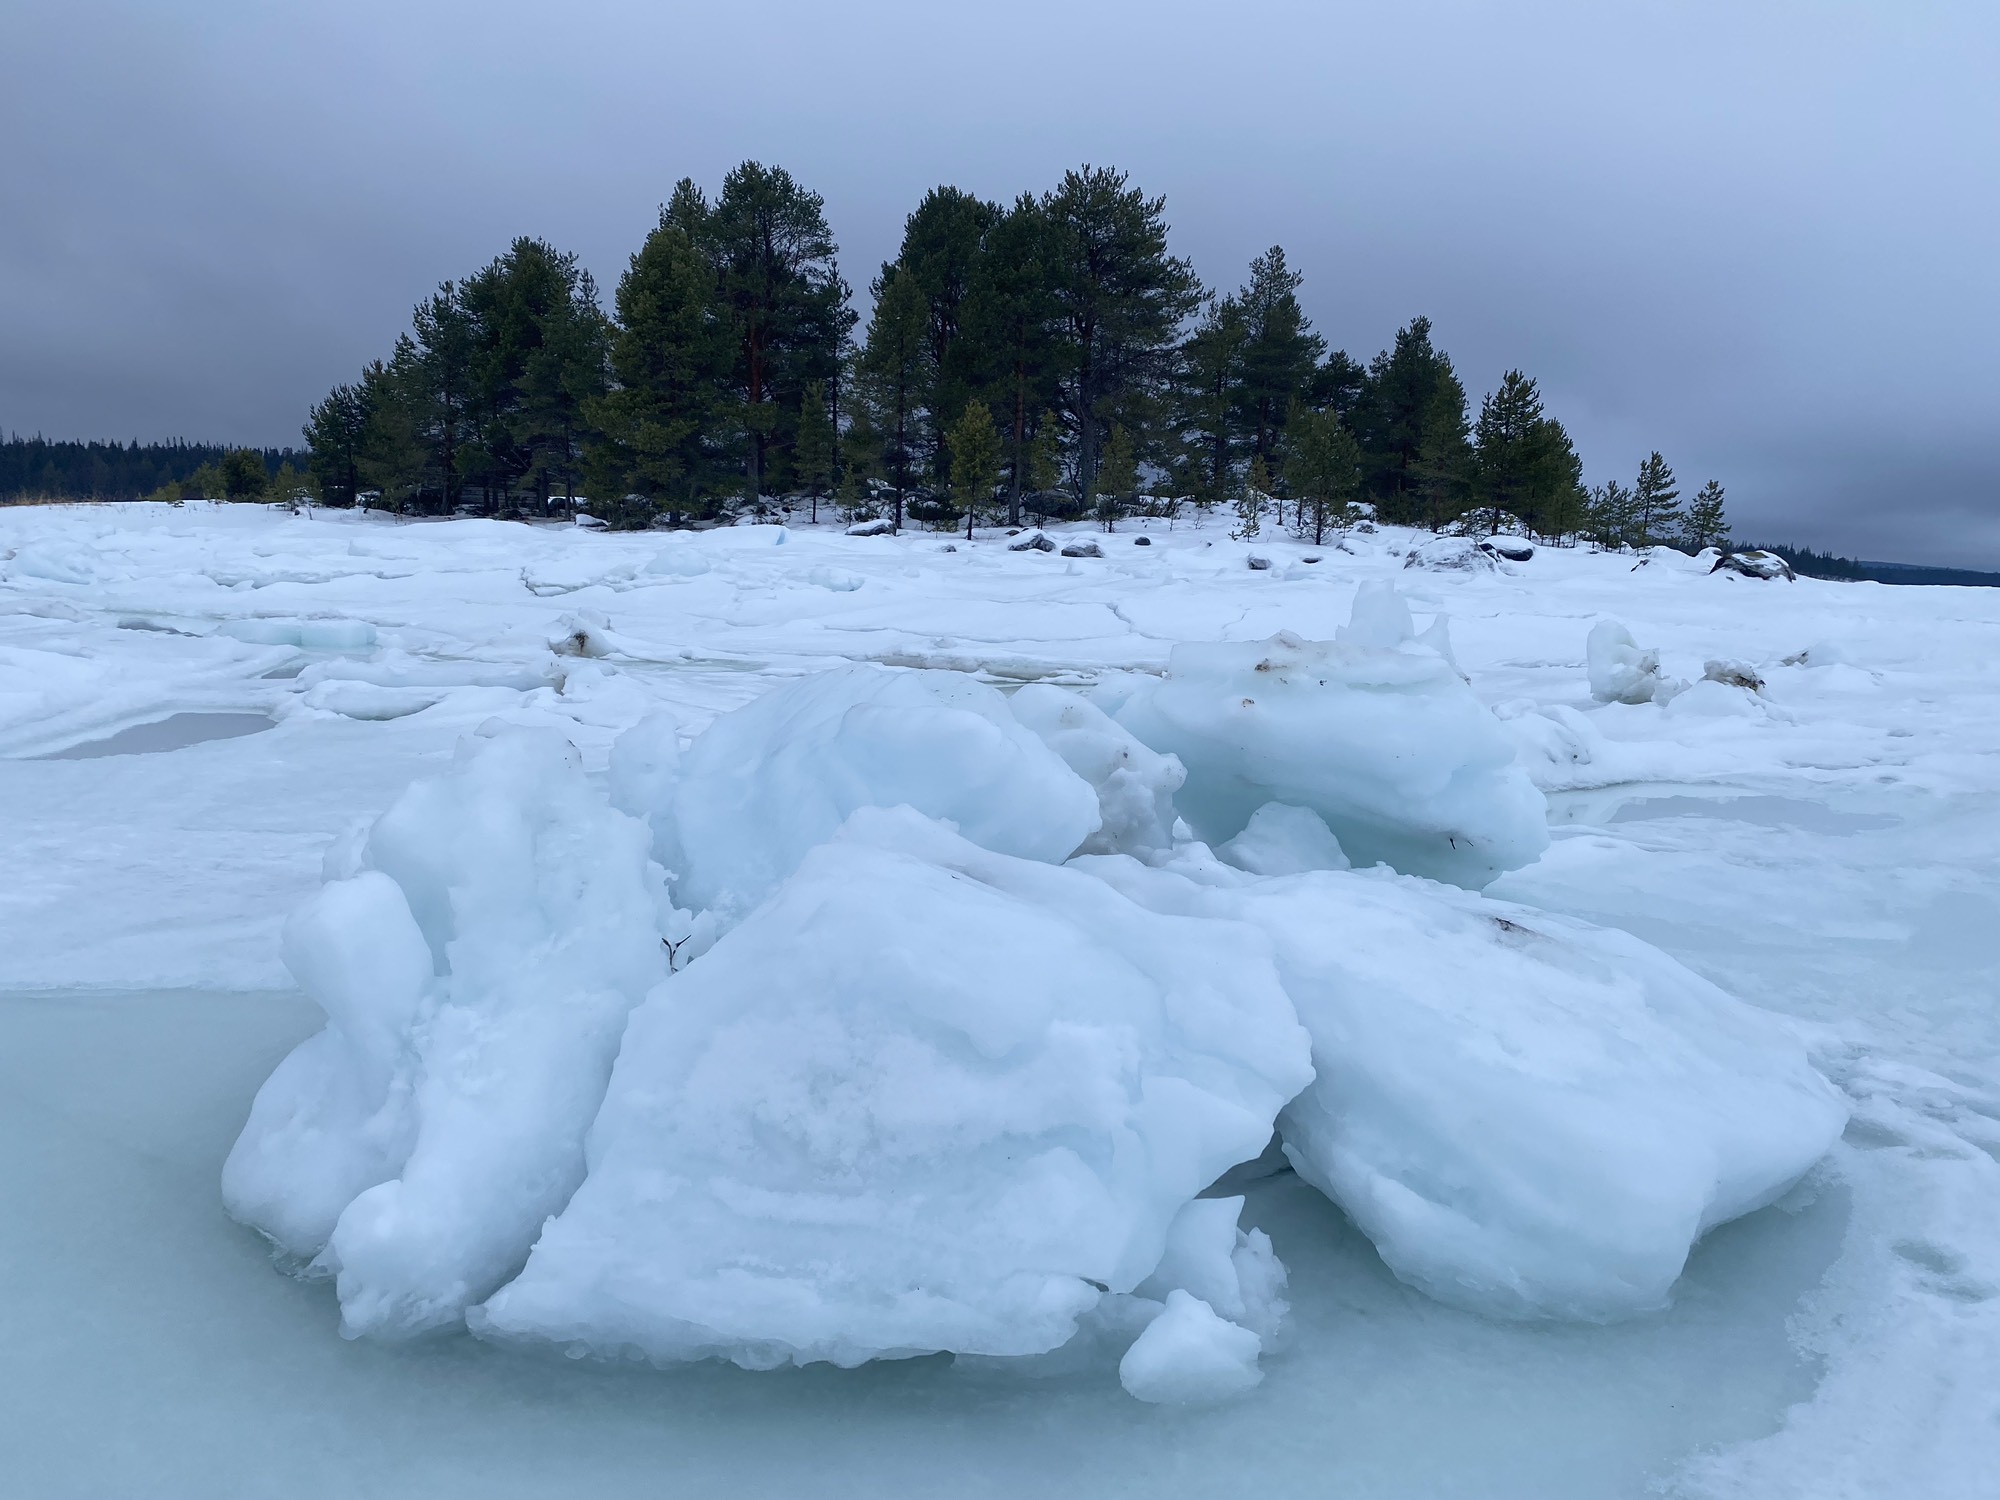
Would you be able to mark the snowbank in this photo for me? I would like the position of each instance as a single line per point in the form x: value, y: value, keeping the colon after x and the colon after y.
x: 476, y: 964
x: 926, y: 1097
x: 1527, y: 1115
x: 1375, y: 733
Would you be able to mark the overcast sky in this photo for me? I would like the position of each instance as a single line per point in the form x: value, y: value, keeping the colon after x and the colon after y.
x: 1763, y: 238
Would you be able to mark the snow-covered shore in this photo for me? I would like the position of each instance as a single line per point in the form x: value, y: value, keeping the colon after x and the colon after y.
x: 1823, y: 847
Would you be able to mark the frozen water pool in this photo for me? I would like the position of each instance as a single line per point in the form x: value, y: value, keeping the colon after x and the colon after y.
x: 147, y: 1347
x: 1645, y: 804
x: 175, y: 732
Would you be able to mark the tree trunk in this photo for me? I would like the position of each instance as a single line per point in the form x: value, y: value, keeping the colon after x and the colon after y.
x: 1020, y: 442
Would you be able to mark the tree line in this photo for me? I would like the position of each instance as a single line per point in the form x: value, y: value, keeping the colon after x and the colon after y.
x: 34, y: 468
x: 1049, y: 357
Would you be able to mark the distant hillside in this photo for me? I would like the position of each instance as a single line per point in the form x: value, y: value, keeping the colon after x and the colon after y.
x: 37, y: 469
x: 1825, y: 565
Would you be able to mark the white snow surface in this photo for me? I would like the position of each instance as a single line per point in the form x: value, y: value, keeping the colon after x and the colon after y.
x: 1822, y: 847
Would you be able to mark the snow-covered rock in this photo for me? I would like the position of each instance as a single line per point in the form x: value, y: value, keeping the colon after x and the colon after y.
x: 1032, y: 541
x: 1754, y: 565
x: 1527, y: 1115
x: 1385, y: 743
x: 1450, y: 554
x: 880, y: 526
x: 1082, y: 549
x: 584, y: 633
x: 1135, y: 786
x: 1512, y: 548
x: 926, y: 1097
x: 476, y: 957
x: 1729, y: 673
x: 765, y: 783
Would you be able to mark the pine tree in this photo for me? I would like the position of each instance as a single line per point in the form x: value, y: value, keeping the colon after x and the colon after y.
x: 943, y: 244
x: 1280, y: 352
x: 670, y: 360
x: 1655, y: 503
x: 1323, y: 469
x: 1705, y: 524
x: 1395, y: 395
x: 1045, y: 459
x: 443, y: 332
x: 893, y: 373
x: 391, y: 453
x: 1006, y: 346
x: 813, y: 449
x: 1440, y: 476
x: 1208, y: 380
x: 1504, y: 447
x: 243, y: 475
x: 538, y: 352
x: 783, y: 298
x: 1251, y: 502
x: 1117, y: 478
x: 1121, y: 299
x: 1610, y: 515
x: 333, y: 434
x: 860, y: 463
x: 975, y: 461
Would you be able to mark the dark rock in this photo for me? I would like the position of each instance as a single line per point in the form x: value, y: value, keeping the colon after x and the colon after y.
x: 1754, y: 565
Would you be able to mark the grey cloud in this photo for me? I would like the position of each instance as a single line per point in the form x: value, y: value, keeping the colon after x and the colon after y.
x: 1759, y: 238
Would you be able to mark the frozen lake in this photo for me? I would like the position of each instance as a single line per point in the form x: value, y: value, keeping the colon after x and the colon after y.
x: 1826, y: 849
